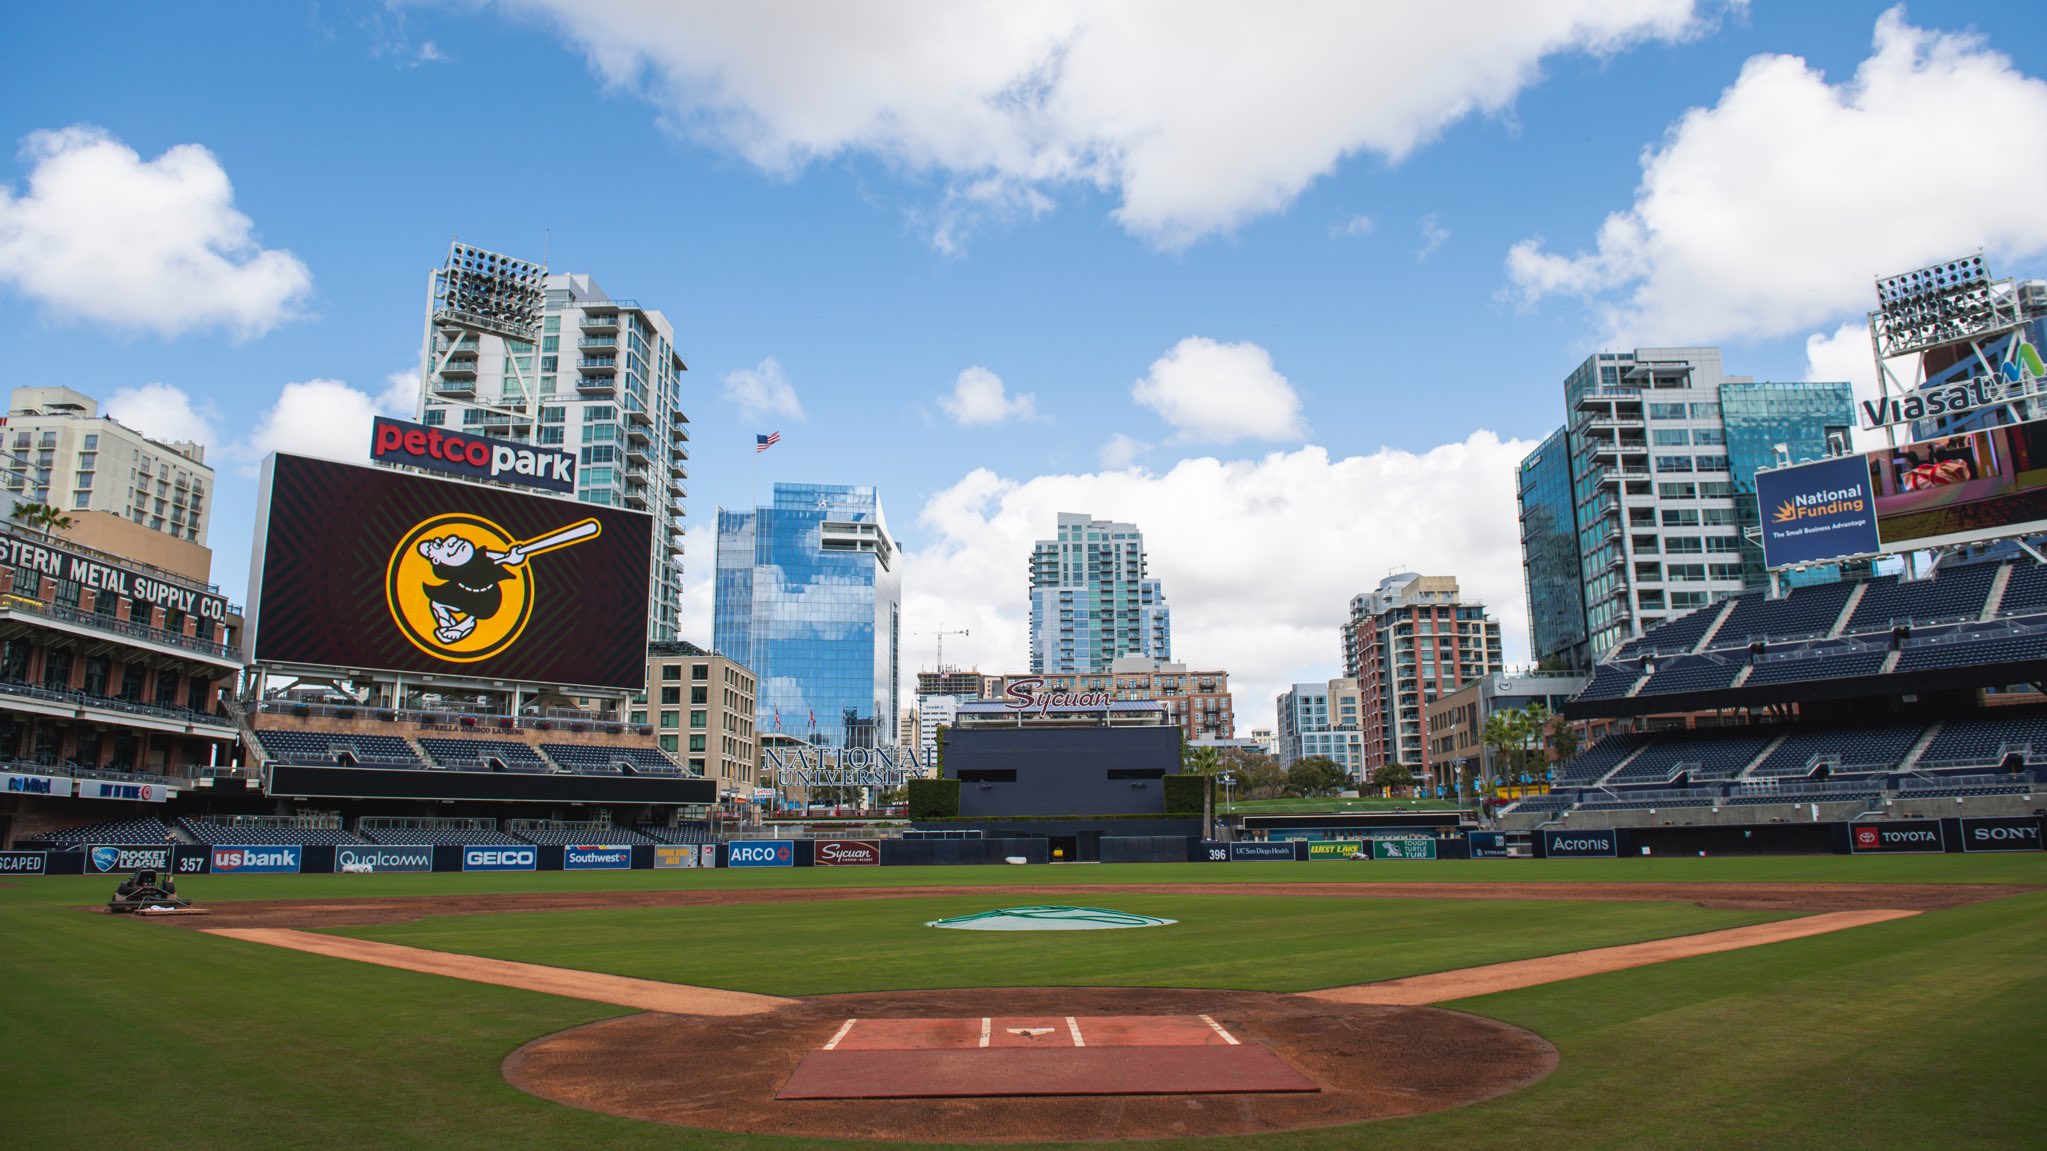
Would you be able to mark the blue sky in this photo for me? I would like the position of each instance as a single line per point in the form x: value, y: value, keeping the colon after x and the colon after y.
x: 1291, y: 286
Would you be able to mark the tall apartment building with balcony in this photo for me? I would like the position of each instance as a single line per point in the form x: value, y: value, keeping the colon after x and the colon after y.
x: 604, y: 382
x: 1321, y: 719
x: 1409, y: 642
x: 1650, y: 489
x: 1090, y: 601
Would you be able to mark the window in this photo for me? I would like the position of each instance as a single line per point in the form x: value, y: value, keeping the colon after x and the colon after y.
x: 1680, y: 518
x: 1673, y: 463
x: 1723, y: 544
x: 1684, y: 599
x: 1724, y: 571
x: 1712, y: 463
x: 700, y: 671
x: 639, y: 717
x: 1708, y: 436
x: 1684, y: 545
x: 81, y: 500
x: 1670, y: 437
x: 696, y: 742
x: 671, y: 671
x: 700, y: 695
x: 699, y: 719
x: 1667, y: 411
x: 1677, y: 491
x: 671, y: 695
x: 1687, y: 573
x: 671, y: 719
x: 1705, y: 411
x: 1717, y: 517
x: 1716, y: 489
x: 92, y: 442
x: 668, y: 743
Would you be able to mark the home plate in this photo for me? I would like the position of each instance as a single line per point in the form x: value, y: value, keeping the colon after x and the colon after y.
x: 1038, y: 1055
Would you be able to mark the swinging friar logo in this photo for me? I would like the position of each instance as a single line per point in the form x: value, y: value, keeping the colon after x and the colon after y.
x: 461, y: 588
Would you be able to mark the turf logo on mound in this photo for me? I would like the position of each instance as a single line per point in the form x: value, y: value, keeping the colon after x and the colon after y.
x: 1051, y: 917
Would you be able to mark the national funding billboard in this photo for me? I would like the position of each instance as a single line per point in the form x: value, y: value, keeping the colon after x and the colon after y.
x: 369, y: 568
x: 1966, y: 488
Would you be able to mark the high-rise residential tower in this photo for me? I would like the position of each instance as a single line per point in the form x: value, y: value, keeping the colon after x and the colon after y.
x: 1409, y: 642
x: 1635, y: 511
x: 809, y: 594
x: 63, y: 452
x: 576, y: 370
x: 1090, y: 600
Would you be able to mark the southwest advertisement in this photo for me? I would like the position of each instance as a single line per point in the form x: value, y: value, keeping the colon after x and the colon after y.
x: 372, y: 568
x: 1957, y: 489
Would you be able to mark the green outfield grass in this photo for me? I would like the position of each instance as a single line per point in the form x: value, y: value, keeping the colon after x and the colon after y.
x: 1923, y: 1032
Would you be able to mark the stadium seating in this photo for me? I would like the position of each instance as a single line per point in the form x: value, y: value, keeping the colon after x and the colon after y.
x: 1821, y: 665
x: 1611, y: 681
x: 591, y: 759
x: 2026, y: 592
x: 1589, y: 765
x: 452, y: 836
x: 1629, y: 803
x: 1864, y: 797
x: 1696, y: 674
x: 1877, y: 747
x: 1965, y: 787
x: 570, y: 837
x: 325, y: 747
x: 682, y: 833
x: 477, y: 754
x: 210, y: 832
x: 1957, y: 593
x: 1968, y: 651
x: 128, y: 832
x: 1678, y: 635
x: 1806, y: 612
x: 1980, y: 739
x: 1711, y: 753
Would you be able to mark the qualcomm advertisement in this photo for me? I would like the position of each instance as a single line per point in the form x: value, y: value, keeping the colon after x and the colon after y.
x: 585, y: 857
x: 371, y: 860
x: 1816, y: 512
x: 276, y: 859
x: 494, y: 858
x: 761, y: 853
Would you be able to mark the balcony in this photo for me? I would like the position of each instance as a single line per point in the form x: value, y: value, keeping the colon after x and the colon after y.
x: 594, y: 386
x: 599, y: 322
x: 27, y: 609
x: 598, y: 345
x: 598, y: 365
x: 1608, y: 476
x: 459, y: 369
x: 80, y: 705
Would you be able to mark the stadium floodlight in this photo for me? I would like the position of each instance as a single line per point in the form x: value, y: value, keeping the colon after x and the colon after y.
x: 490, y: 292
x: 1943, y: 303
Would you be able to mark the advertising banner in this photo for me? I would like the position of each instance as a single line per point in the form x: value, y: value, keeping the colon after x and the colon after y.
x: 2012, y: 833
x: 24, y: 863
x: 668, y: 855
x: 138, y: 792
x: 1904, y: 835
x: 458, y: 453
x: 133, y: 583
x: 383, y: 858
x: 275, y: 859
x: 1210, y: 851
x: 1597, y: 843
x: 760, y: 853
x: 50, y: 785
x: 190, y: 858
x: 1417, y: 848
x: 496, y: 858
x: 372, y: 568
x: 107, y: 858
x: 1957, y: 489
x: 847, y: 853
x: 1335, y: 848
x: 1487, y: 844
x: 587, y: 857
x: 1817, y: 511
x: 1262, y: 852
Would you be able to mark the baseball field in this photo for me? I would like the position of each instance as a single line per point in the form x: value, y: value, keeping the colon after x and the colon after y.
x: 1922, y: 1027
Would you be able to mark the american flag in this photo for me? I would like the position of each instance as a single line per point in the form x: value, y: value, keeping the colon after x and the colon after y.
x: 763, y: 443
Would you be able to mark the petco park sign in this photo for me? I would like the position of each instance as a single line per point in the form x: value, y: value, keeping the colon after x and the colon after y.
x: 884, y: 768
x: 475, y: 457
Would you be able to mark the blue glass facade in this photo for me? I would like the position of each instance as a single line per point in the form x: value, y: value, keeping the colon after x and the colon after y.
x: 1759, y: 418
x: 1549, y: 554
x: 809, y: 594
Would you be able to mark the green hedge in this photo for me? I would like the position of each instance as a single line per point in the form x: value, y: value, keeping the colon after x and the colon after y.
x: 934, y: 798
x: 1184, y: 794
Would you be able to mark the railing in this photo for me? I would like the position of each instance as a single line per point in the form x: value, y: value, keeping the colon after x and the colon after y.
x: 109, y: 558
x: 121, y: 627
x: 85, y: 699
x: 52, y: 766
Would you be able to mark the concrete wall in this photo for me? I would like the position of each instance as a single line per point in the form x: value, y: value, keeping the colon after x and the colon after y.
x: 1061, y: 771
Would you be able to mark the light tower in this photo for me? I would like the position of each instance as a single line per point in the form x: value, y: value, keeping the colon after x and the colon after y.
x: 478, y: 293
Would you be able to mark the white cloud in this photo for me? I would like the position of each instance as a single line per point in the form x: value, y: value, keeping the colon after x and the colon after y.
x: 165, y: 413
x: 1200, y: 115
x: 1121, y: 451
x: 1219, y: 393
x: 977, y: 397
x: 1771, y: 212
x: 1845, y: 354
x: 1351, y: 229
x: 326, y: 418
x: 1258, y: 557
x: 1434, y: 236
x: 102, y: 235
x: 763, y: 390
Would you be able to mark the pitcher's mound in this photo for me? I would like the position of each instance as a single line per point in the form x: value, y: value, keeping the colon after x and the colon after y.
x: 1081, y: 1063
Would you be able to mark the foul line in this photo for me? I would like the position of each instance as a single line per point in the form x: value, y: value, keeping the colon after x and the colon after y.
x: 985, y: 1024
x: 641, y: 994
x: 1227, y: 1037
x: 1419, y: 990
x: 1073, y: 1029
x: 840, y: 1034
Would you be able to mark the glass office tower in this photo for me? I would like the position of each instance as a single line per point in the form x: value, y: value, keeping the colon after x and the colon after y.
x: 809, y: 594
x: 1549, y: 549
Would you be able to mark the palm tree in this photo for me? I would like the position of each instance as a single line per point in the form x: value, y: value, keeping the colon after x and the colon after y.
x: 44, y: 518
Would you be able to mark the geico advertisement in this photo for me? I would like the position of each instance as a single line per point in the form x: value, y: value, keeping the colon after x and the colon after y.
x: 371, y: 568
x: 499, y: 858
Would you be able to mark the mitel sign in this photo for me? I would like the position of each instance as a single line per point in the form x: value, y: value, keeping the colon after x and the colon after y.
x: 846, y: 853
x: 499, y: 858
x: 475, y: 457
x: 1906, y: 835
x: 760, y: 853
x: 586, y: 857
x: 281, y: 859
x: 36, y: 785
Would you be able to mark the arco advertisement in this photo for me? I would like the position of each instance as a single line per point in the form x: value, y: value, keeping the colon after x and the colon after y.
x: 371, y: 568
x: 760, y: 853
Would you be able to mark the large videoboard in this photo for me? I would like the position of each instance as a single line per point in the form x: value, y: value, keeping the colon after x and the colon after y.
x: 376, y: 570
x: 1958, y: 489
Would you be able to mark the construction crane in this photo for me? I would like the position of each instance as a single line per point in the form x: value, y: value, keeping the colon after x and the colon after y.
x: 941, y: 633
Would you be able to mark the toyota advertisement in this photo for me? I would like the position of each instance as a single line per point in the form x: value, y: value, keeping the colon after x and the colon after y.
x: 1956, y: 489
x: 373, y: 568
x: 1895, y: 837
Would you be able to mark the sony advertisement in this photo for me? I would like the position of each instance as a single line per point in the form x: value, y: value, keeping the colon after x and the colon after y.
x: 370, y: 568
x: 1957, y: 489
